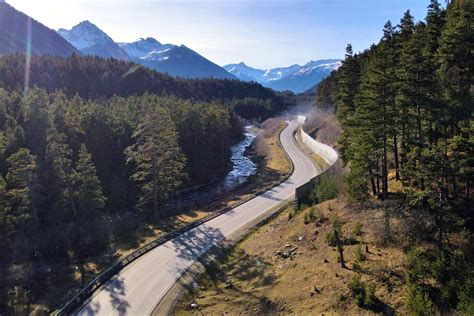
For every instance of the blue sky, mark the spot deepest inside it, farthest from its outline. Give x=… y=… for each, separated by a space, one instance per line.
x=262 y=33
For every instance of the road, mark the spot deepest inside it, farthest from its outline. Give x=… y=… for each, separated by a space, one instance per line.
x=139 y=287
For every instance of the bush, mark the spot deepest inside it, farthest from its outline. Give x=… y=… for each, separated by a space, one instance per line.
x=326 y=189
x=357 y=231
x=331 y=236
x=359 y=255
x=419 y=302
x=364 y=296
x=310 y=216
x=331 y=239
x=356 y=267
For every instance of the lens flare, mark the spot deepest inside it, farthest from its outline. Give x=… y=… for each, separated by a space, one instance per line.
x=28 y=57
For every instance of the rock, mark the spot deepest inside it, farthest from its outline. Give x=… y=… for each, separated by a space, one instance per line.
x=226 y=299
x=287 y=246
x=337 y=275
x=228 y=285
x=326 y=261
x=300 y=238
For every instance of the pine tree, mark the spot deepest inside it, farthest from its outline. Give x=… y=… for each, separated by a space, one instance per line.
x=403 y=41
x=348 y=82
x=90 y=198
x=22 y=188
x=59 y=166
x=157 y=159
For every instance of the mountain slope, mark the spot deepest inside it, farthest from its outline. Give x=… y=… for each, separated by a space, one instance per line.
x=91 y=40
x=14 y=27
x=295 y=78
x=175 y=60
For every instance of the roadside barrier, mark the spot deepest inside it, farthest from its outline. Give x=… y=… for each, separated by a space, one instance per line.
x=324 y=151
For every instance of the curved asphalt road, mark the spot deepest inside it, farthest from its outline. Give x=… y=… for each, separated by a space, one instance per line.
x=139 y=287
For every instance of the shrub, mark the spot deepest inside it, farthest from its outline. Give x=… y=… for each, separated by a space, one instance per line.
x=359 y=255
x=364 y=296
x=419 y=302
x=326 y=188
x=356 y=267
x=357 y=231
x=331 y=239
x=331 y=236
x=310 y=216
x=357 y=289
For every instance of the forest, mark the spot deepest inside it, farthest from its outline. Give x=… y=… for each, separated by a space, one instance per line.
x=93 y=149
x=406 y=110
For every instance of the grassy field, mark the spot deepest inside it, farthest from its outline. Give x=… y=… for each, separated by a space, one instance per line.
x=287 y=266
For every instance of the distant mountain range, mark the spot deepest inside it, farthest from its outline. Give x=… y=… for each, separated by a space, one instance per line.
x=86 y=38
x=295 y=78
x=15 y=36
x=175 y=60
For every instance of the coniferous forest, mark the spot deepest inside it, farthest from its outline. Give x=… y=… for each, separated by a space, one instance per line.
x=92 y=149
x=406 y=110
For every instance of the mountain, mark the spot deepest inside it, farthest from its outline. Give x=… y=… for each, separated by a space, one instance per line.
x=175 y=60
x=14 y=36
x=295 y=78
x=91 y=40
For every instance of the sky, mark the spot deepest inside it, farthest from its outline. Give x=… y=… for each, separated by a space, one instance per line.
x=261 y=33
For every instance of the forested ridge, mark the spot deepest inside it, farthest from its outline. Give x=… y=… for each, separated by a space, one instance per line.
x=93 y=150
x=94 y=77
x=406 y=110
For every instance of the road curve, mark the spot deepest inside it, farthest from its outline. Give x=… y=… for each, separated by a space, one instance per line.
x=138 y=288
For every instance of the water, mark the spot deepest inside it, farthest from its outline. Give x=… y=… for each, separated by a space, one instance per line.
x=242 y=166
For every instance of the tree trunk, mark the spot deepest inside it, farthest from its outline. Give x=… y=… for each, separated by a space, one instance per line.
x=340 y=249
x=395 y=153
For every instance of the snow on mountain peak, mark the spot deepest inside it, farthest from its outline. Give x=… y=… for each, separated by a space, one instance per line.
x=147 y=49
x=84 y=35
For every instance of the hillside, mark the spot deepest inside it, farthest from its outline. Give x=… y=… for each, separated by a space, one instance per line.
x=93 y=77
x=17 y=30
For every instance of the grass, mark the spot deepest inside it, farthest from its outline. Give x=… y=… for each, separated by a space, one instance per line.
x=286 y=266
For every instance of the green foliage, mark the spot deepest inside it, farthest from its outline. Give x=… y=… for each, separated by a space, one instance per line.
x=326 y=189
x=364 y=295
x=357 y=230
x=406 y=103
x=359 y=255
x=419 y=302
x=331 y=236
x=310 y=216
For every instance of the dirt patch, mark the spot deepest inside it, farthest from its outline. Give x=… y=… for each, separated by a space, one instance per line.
x=287 y=266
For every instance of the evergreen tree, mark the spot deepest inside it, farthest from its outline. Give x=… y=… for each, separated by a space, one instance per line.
x=22 y=188
x=90 y=198
x=348 y=83
x=59 y=167
x=157 y=159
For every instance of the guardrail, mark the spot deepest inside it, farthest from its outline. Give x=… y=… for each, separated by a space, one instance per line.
x=324 y=151
x=70 y=306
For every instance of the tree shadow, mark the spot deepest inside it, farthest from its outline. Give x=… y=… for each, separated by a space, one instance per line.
x=117 y=293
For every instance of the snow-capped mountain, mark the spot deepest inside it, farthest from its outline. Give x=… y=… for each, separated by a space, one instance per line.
x=295 y=78
x=91 y=40
x=175 y=60
x=172 y=59
x=146 y=48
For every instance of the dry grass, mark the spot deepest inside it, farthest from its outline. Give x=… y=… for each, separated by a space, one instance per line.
x=255 y=279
